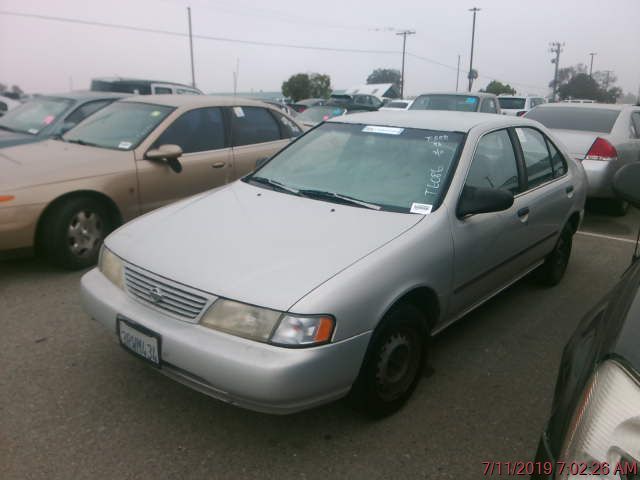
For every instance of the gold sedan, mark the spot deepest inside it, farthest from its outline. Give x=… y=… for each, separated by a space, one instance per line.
x=62 y=197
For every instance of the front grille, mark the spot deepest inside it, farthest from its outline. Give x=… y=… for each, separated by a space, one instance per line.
x=164 y=294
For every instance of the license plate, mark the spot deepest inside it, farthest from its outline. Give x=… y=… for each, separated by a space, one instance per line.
x=140 y=341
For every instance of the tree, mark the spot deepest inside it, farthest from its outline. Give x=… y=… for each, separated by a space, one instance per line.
x=575 y=82
x=304 y=85
x=580 y=86
x=497 y=88
x=385 y=75
x=320 y=85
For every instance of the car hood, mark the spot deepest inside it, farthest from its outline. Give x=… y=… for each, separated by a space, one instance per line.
x=577 y=142
x=53 y=161
x=255 y=245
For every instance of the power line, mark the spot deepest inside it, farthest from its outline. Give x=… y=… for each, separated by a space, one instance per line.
x=243 y=42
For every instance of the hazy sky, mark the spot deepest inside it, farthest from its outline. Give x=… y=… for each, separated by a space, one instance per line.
x=512 y=38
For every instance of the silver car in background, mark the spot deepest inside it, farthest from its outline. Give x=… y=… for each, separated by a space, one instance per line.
x=324 y=272
x=604 y=137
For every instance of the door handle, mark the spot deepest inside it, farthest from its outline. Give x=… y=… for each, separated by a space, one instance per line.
x=523 y=213
x=219 y=164
x=569 y=189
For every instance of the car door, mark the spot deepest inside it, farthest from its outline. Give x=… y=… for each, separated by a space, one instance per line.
x=547 y=198
x=206 y=160
x=487 y=246
x=256 y=133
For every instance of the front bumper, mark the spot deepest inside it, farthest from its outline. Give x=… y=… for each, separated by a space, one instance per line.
x=242 y=372
x=600 y=177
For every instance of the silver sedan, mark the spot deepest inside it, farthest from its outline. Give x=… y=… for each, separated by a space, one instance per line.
x=323 y=273
x=604 y=137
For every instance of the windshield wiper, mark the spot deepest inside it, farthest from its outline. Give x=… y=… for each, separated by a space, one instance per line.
x=80 y=142
x=274 y=183
x=338 y=196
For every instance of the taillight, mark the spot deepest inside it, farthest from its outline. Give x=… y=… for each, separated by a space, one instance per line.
x=601 y=150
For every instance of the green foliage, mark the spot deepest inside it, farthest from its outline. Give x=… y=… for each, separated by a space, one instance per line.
x=575 y=82
x=304 y=85
x=498 y=88
x=385 y=75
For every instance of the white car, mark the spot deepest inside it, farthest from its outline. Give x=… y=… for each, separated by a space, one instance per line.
x=7 y=104
x=397 y=104
x=518 y=105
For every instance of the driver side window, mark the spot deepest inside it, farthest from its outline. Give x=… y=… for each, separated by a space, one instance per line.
x=494 y=164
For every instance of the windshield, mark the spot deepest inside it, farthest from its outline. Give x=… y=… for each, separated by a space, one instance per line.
x=461 y=103
x=35 y=115
x=397 y=169
x=319 y=114
x=121 y=125
x=575 y=118
x=511 y=103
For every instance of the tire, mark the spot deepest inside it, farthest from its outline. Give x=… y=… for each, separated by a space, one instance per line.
x=73 y=231
x=617 y=207
x=393 y=364
x=555 y=265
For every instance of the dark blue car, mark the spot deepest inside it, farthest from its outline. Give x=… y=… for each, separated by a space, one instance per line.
x=49 y=115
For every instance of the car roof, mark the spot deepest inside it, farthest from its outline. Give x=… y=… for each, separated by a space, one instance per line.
x=80 y=95
x=139 y=81
x=433 y=119
x=195 y=101
x=462 y=94
x=604 y=106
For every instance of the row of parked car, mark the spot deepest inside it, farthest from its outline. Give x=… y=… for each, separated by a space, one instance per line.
x=243 y=290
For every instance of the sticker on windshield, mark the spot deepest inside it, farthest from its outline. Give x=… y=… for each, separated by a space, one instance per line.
x=421 y=208
x=471 y=100
x=33 y=131
x=124 y=145
x=155 y=113
x=238 y=111
x=385 y=130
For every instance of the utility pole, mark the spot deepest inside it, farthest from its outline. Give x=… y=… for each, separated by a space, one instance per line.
x=556 y=47
x=591 y=64
x=606 y=81
x=458 y=73
x=473 y=35
x=404 y=34
x=193 y=73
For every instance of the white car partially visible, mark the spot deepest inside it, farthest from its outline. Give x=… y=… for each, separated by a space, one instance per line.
x=7 y=104
x=518 y=105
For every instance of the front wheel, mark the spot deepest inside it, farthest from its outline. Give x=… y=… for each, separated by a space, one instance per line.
x=555 y=265
x=73 y=231
x=393 y=364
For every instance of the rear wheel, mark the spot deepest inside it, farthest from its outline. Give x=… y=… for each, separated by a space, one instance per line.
x=552 y=271
x=73 y=231
x=393 y=364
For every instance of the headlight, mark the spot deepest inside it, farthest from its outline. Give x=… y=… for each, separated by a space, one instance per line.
x=265 y=325
x=111 y=267
x=606 y=426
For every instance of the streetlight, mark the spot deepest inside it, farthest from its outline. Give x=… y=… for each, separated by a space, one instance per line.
x=591 y=65
x=404 y=34
x=472 y=74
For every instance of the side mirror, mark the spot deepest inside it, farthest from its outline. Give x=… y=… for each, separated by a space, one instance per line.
x=168 y=153
x=261 y=162
x=626 y=183
x=483 y=200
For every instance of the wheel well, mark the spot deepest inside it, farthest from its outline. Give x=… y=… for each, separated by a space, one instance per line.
x=116 y=216
x=574 y=221
x=425 y=300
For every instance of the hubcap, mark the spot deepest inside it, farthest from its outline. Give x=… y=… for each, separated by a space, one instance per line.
x=397 y=365
x=85 y=233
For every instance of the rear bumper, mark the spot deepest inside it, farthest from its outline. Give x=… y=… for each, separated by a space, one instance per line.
x=600 y=177
x=242 y=372
x=18 y=226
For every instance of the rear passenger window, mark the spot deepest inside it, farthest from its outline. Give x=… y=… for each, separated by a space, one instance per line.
x=558 y=163
x=494 y=163
x=287 y=127
x=489 y=106
x=536 y=156
x=199 y=130
x=253 y=125
x=162 y=91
